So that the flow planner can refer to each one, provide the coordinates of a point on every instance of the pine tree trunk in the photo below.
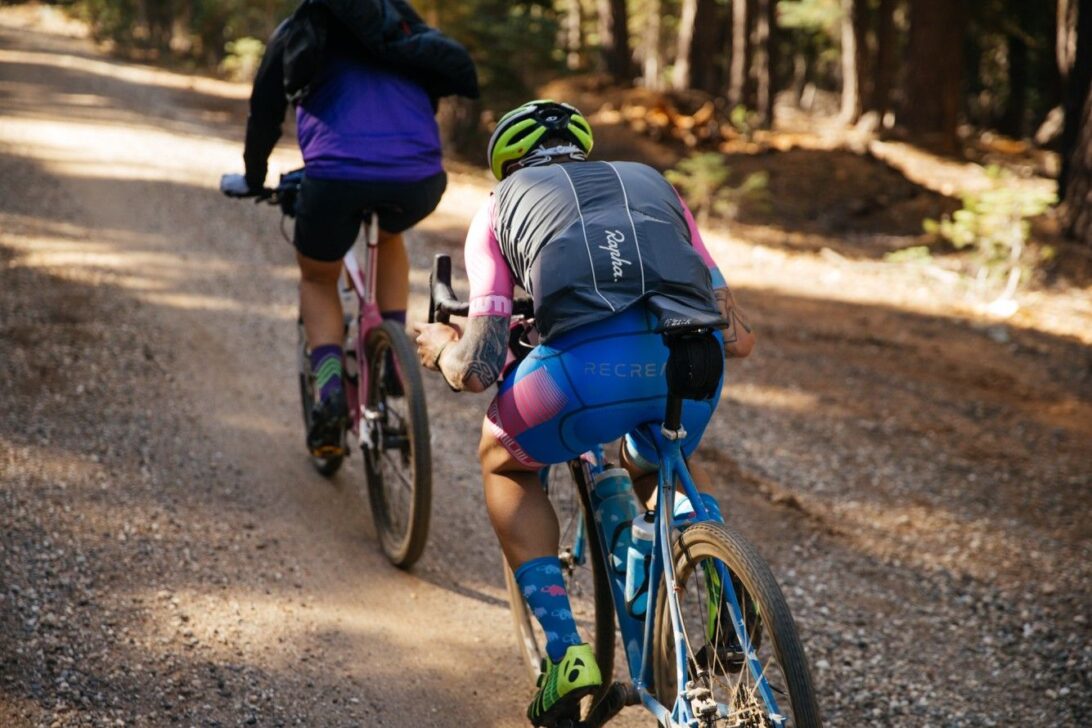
(935, 72)
(1012, 123)
(614, 38)
(737, 73)
(681, 74)
(884, 69)
(574, 38)
(851, 54)
(711, 35)
(1077, 213)
(1078, 77)
(653, 50)
(762, 62)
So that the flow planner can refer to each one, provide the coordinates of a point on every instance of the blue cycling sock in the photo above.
(326, 366)
(544, 590)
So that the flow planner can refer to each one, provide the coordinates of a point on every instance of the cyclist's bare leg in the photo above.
(519, 509)
(392, 290)
(320, 304)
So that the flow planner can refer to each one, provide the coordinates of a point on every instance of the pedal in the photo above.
(618, 696)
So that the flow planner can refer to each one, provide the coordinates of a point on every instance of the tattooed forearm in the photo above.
(475, 361)
(738, 337)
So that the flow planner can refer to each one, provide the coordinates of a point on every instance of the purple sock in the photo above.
(399, 316)
(326, 366)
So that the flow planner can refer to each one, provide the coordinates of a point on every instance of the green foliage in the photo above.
(197, 30)
(993, 224)
(913, 254)
(702, 178)
(243, 58)
(744, 120)
(512, 43)
(817, 16)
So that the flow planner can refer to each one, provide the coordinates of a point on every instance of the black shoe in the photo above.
(329, 418)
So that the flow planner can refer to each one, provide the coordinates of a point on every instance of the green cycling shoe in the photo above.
(562, 684)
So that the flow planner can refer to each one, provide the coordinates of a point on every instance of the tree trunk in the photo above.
(852, 52)
(935, 72)
(1077, 213)
(711, 34)
(737, 74)
(614, 38)
(762, 62)
(884, 69)
(1066, 42)
(1012, 122)
(653, 50)
(574, 38)
(1076, 175)
(681, 74)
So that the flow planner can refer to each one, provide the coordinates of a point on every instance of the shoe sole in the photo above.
(328, 451)
(563, 706)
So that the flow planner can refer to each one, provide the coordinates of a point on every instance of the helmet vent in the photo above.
(522, 134)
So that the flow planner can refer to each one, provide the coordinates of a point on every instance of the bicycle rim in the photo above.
(715, 660)
(585, 581)
(397, 454)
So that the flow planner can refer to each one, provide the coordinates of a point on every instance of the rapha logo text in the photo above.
(614, 239)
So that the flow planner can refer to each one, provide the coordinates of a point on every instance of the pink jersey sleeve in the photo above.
(491, 284)
(699, 245)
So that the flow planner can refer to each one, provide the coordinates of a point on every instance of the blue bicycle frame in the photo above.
(638, 634)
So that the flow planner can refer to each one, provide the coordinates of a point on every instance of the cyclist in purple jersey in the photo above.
(370, 142)
(611, 255)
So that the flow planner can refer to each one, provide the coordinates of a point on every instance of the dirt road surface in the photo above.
(918, 478)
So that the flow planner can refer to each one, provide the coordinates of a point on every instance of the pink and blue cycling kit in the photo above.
(601, 380)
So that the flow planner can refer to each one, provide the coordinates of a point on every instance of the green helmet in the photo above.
(520, 131)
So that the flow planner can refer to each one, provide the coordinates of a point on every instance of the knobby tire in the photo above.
(403, 547)
(752, 576)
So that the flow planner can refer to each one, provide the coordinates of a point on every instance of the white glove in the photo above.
(234, 185)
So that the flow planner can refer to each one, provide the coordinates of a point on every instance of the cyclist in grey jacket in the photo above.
(611, 255)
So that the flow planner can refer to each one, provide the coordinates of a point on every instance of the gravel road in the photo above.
(919, 480)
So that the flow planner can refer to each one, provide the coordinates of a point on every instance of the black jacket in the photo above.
(388, 32)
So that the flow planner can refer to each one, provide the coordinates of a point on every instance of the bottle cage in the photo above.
(695, 363)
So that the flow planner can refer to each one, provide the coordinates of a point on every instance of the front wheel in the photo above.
(397, 454)
(715, 659)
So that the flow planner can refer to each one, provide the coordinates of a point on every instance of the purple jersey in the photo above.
(362, 122)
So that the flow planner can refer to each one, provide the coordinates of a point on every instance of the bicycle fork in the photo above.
(694, 701)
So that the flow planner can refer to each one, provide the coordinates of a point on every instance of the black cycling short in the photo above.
(329, 211)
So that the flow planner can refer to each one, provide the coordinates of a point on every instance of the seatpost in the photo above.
(672, 428)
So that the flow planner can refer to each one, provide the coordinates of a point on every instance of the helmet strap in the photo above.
(549, 155)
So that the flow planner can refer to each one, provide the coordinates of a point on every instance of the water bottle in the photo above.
(615, 506)
(642, 536)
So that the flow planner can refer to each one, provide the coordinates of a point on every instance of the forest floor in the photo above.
(917, 474)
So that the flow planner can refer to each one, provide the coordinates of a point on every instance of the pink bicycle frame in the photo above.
(363, 280)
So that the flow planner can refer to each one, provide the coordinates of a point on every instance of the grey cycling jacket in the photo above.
(590, 239)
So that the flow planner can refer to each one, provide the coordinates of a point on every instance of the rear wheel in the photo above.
(586, 582)
(329, 465)
(715, 660)
(397, 454)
